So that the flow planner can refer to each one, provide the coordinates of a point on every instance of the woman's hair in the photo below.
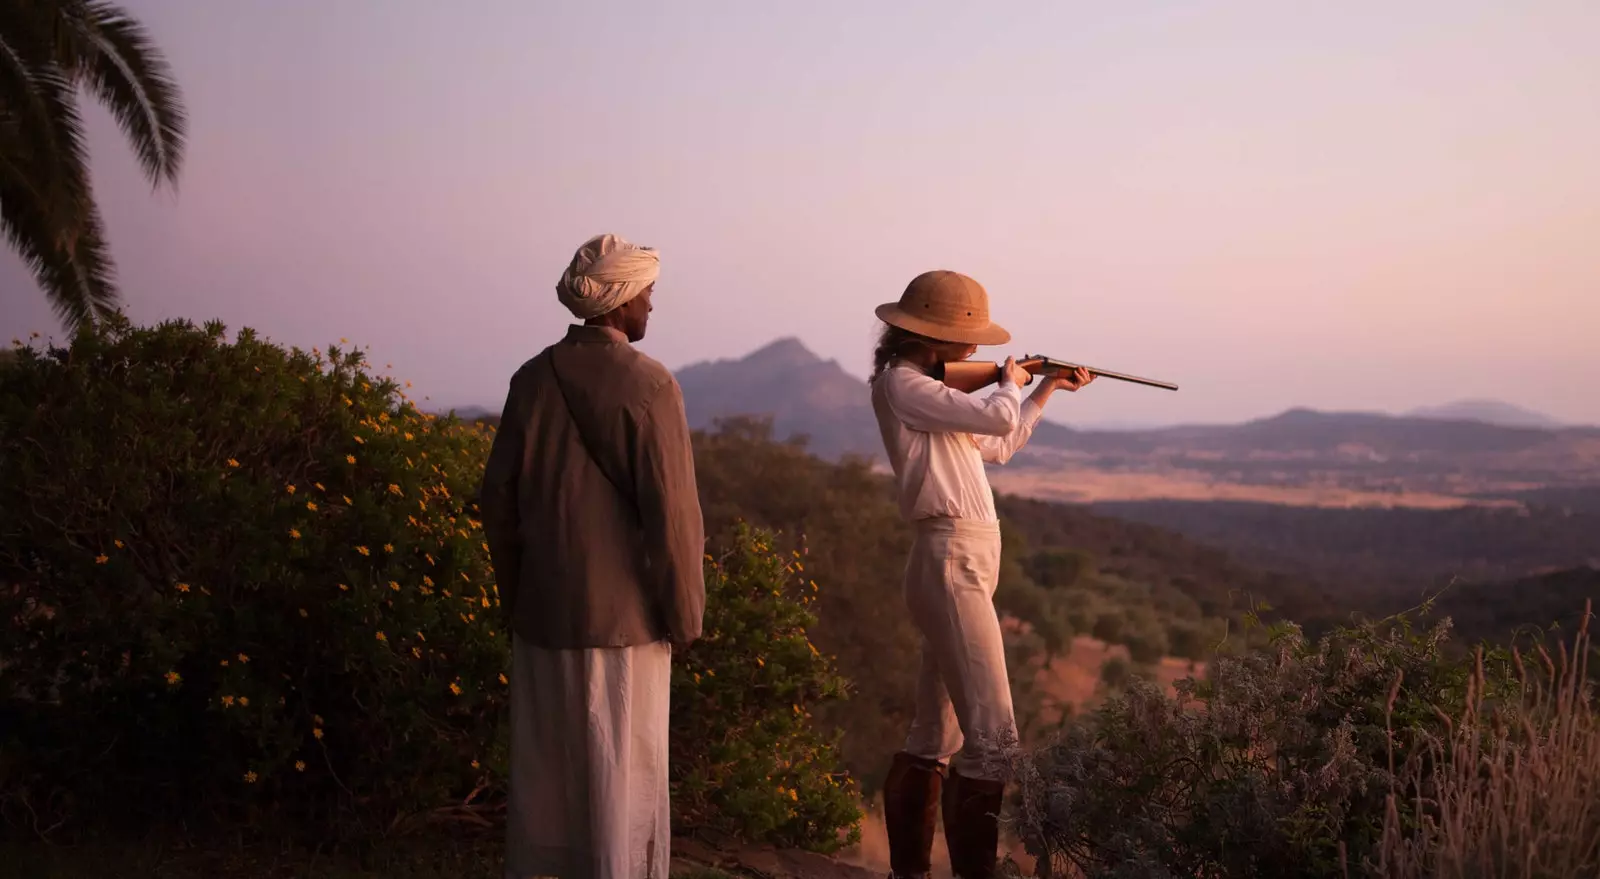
(894, 342)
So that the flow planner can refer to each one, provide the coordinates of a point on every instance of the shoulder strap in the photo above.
(583, 439)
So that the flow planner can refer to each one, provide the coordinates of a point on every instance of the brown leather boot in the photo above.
(910, 808)
(972, 825)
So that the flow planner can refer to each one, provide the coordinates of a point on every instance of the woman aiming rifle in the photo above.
(938, 439)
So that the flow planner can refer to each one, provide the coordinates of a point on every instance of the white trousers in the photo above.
(963, 692)
(589, 796)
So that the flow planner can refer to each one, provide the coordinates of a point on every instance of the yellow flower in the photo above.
(363, 550)
(289, 488)
(394, 489)
(388, 547)
(319, 486)
(485, 602)
(421, 638)
(503, 679)
(409, 437)
(243, 658)
(227, 701)
(485, 546)
(299, 765)
(250, 778)
(474, 764)
(349, 459)
(232, 463)
(348, 501)
(181, 587)
(311, 505)
(343, 588)
(317, 733)
(455, 688)
(416, 652)
(224, 663)
(244, 701)
(383, 637)
(358, 439)
(294, 533)
(117, 544)
(101, 559)
(761, 662)
(393, 585)
(429, 558)
(173, 678)
(427, 580)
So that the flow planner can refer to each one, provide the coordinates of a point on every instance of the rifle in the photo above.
(969, 375)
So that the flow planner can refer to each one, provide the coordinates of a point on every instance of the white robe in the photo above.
(589, 796)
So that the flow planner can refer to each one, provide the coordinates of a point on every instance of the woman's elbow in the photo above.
(1003, 421)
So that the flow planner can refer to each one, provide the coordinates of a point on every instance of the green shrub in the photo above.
(1282, 769)
(235, 576)
(747, 758)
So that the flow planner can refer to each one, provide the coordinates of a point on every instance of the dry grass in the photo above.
(1514, 791)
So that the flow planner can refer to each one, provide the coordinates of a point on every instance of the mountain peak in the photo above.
(786, 351)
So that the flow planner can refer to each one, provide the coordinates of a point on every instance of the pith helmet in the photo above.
(947, 306)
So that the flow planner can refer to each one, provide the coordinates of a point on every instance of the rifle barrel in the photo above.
(1052, 363)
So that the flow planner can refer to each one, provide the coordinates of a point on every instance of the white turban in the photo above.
(606, 272)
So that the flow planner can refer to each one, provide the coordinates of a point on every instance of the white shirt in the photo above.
(938, 439)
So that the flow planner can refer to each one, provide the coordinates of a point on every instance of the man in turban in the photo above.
(593, 523)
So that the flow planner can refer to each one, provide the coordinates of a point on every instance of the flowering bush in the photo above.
(238, 580)
(746, 757)
(232, 574)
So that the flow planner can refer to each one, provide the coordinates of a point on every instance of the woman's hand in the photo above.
(1073, 380)
(1017, 374)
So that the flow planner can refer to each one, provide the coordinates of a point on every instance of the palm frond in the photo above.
(48, 48)
(30, 113)
(74, 271)
(129, 74)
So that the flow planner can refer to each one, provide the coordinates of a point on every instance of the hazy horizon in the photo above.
(1360, 207)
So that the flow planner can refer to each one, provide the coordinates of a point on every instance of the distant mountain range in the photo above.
(1468, 449)
(801, 392)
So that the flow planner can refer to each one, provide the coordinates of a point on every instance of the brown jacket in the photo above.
(583, 561)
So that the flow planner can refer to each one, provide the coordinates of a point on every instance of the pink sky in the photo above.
(1347, 206)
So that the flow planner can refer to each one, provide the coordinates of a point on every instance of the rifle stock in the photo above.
(970, 375)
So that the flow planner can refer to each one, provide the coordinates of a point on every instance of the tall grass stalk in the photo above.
(1511, 790)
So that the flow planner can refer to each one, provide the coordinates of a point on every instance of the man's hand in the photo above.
(1071, 381)
(1017, 374)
